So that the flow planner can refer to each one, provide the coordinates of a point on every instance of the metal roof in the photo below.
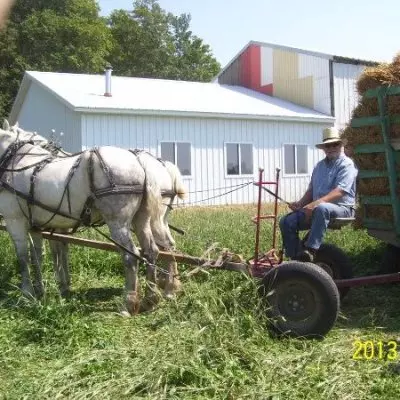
(85, 93)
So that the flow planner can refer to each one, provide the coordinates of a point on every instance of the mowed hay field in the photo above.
(209, 343)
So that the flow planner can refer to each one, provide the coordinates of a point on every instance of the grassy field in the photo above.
(209, 343)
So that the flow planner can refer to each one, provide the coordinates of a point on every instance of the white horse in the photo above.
(109, 184)
(171, 185)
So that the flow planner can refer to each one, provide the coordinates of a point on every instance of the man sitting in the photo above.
(330, 194)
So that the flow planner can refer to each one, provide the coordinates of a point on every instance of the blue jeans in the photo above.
(292, 223)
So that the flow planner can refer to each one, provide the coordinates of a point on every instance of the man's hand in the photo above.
(295, 206)
(308, 209)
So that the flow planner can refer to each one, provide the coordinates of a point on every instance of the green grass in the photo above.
(209, 343)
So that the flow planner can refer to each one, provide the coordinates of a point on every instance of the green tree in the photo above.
(150, 42)
(192, 59)
(51, 35)
(70, 36)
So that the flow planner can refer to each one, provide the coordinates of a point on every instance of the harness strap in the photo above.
(36, 170)
(105, 168)
(119, 189)
(167, 193)
(9, 153)
(26, 197)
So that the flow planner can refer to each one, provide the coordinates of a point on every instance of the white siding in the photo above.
(267, 66)
(318, 68)
(207, 138)
(41, 112)
(346, 97)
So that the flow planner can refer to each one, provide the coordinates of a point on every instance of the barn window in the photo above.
(179, 154)
(295, 158)
(239, 159)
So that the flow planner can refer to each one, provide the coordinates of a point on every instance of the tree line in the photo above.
(71, 36)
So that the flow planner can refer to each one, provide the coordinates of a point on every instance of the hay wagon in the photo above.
(378, 212)
(379, 167)
(297, 284)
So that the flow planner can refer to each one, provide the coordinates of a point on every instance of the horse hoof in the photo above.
(28, 292)
(162, 283)
(169, 296)
(39, 292)
(150, 302)
(132, 303)
(66, 294)
(125, 314)
(147, 306)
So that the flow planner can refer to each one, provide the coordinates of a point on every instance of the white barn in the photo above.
(217, 134)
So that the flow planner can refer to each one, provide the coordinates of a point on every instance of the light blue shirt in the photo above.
(331, 174)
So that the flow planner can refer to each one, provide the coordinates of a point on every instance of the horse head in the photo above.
(25, 135)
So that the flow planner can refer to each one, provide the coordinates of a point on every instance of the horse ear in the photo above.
(16, 125)
(6, 125)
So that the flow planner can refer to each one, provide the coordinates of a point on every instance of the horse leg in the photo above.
(141, 225)
(66, 277)
(172, 284)
(36, 244)
(18, 230)
(120, 232)
(169, 280)
(59, 253)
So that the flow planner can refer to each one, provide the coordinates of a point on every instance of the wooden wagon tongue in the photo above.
(227, 260)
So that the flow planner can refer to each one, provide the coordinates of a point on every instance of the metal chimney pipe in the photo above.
(108, 71)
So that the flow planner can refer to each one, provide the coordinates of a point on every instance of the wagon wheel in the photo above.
(336, 263)
(390, 262)
(301, 300)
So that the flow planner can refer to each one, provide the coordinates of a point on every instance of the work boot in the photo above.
(307, 255)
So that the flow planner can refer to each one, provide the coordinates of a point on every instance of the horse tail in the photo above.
(177, 181)
(152, 196)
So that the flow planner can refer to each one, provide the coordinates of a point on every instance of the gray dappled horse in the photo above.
(108, 184)
(171, 185)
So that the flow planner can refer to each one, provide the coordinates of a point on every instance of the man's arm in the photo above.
(307, 197)
(343, 182)
(332, 196)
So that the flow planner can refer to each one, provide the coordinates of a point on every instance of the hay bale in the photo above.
(373, 186)
(366, 108)
(364, 135)
(382, 213)
(384, 74)
(372, 161)
(393, 105)
(373, 77)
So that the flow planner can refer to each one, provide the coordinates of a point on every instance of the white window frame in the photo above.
(240, 175)
(175, 142)
(295, 159)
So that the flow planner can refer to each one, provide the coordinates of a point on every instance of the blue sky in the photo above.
(364, 29)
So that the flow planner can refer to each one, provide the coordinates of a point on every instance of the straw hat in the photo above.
(330, 135)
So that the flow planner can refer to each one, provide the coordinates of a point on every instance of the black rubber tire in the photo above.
(390, 262)
(336, 262)
(301, 300)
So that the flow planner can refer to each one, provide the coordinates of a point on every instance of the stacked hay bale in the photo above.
(373, 77)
